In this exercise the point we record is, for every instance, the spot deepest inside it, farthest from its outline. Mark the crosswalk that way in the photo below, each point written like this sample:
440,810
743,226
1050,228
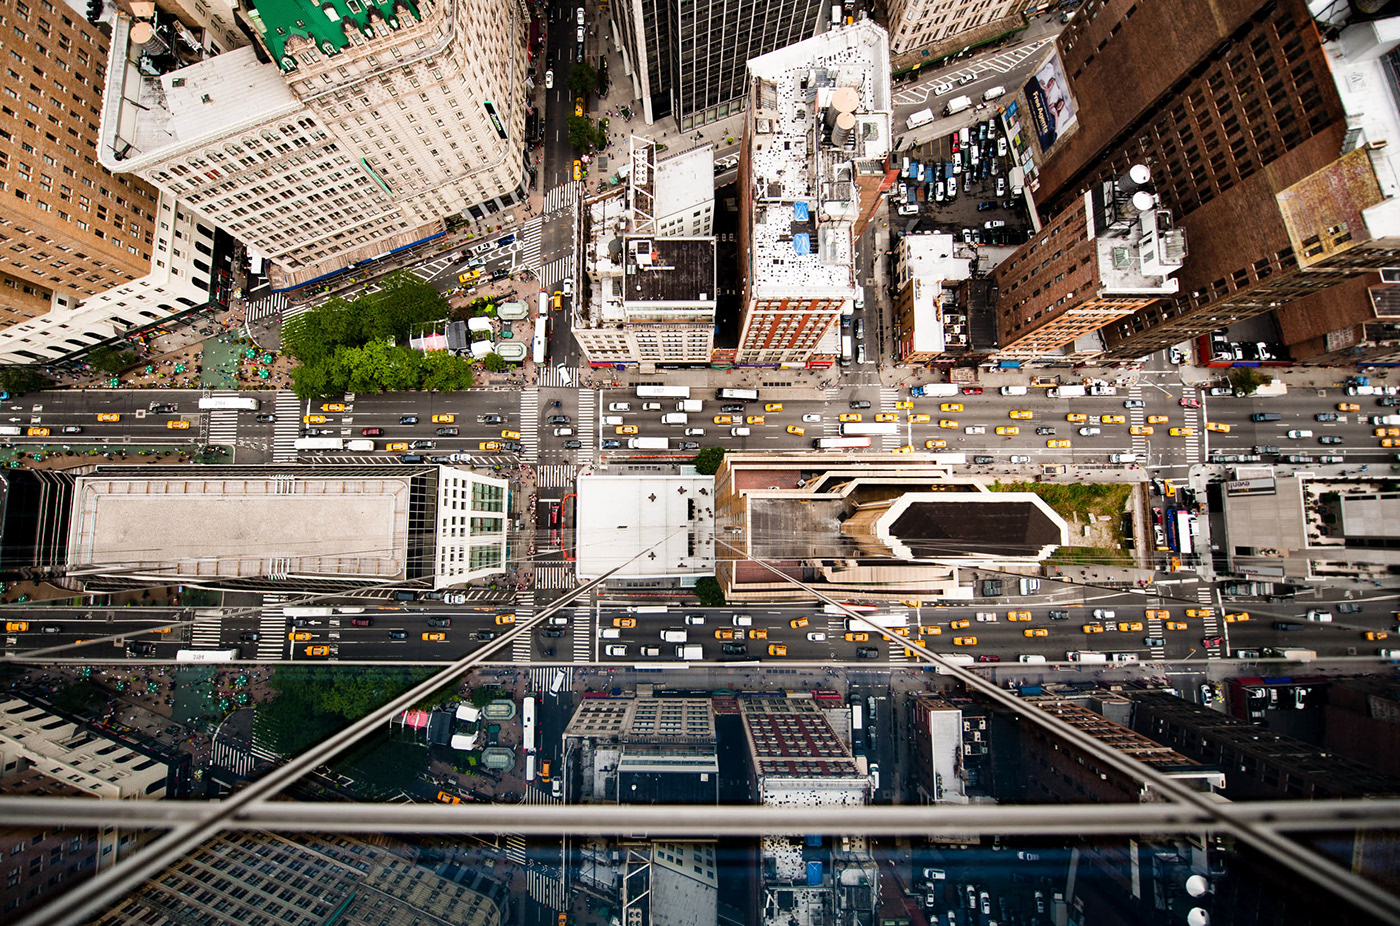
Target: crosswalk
520,647
562,197
581,624
287,427
528,239
888,397
545,888
272,628
207,631
515,848
1191,418
1156,630
587,409
530,422
555,575
556,376
554,271
1210,626
266,307
555,475
1137,417
222,426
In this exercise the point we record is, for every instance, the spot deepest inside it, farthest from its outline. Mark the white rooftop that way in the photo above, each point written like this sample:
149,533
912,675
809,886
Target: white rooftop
932,264
620,517
686,181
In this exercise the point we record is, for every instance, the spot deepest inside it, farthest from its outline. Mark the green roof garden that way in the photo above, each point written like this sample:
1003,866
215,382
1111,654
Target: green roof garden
323,23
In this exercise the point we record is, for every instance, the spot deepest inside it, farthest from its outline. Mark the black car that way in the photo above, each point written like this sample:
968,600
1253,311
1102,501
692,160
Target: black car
1329,439
1389,401
735,649
398,635
732,408
408,419
1045,430
1059,615
867,652
514,446
485,635
422,445
558,419
690,445
266,418
859,403
248,636
573,445
447,432
492,419
1325,416
551,632
72,429
985,205
141,648
162,408
611,444
983,460
439,622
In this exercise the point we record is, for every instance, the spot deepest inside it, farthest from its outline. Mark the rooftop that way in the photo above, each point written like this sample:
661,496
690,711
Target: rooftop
661,521
933,268
324,23
675,271
685,181
1136,246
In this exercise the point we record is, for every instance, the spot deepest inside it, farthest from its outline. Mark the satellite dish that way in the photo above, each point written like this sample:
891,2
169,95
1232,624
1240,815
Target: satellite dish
1197,885
1197,917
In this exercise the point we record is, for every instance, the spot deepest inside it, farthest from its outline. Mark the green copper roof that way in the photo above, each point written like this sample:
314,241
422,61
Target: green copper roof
324,23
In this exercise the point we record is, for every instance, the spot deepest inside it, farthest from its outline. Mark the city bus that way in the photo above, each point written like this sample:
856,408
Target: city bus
886,621
318,443
240,403
541,340
527,720
663,392
1183,532
307,611
869,427
738,395
206,655
841,443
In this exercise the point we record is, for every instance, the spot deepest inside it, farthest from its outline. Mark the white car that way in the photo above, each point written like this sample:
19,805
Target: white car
695,619
580,16
619,407
549,79
580,35
942,88
987,617
694,432
986,904
1089,432
1101,614
454,598
811,418
974,429
615,649
1020,458
568,285
816,636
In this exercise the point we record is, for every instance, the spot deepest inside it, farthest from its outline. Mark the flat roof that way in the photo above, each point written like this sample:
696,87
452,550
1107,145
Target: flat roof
241,525
676,271
662,524
933,266
685,181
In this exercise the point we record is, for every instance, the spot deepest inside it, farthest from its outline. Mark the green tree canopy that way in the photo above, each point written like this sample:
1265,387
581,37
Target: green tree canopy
312,702
495,363
708,591
583,78
708,460
18,380
110,359
1247,380
582,133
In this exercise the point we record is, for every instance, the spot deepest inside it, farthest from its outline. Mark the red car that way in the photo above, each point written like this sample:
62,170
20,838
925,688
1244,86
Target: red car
1214,641
1190,403
371,432
972,390
988,658
362,622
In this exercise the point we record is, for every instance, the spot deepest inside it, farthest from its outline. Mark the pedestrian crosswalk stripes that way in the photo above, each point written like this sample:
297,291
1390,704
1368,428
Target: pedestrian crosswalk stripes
556,377
555,575
235,757
555,475
284,432
586,409
554,271
223,426
207,630
581,626
562,197
266,307
272,628
544,888
530,422
515,848
529,239
521,646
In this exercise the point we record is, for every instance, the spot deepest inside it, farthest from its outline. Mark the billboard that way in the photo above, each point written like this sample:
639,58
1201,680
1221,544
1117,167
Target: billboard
1049,107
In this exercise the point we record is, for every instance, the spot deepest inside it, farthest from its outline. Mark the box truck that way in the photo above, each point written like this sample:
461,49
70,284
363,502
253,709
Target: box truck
1067,392
646,443
934,389
360,445
689,405
690,651
675,418
1086,657
957,104
922,117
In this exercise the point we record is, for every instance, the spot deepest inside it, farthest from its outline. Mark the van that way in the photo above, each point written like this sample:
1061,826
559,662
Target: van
1123,458
610,633
1125,657
1031,659
1266,416
738,432
674,636
1029,586
651,651
1014,390
612,419
563,432
992,94
1320,616
742,620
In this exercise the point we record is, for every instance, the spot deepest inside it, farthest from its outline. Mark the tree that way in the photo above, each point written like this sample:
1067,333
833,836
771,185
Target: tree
583,78
79,697
581,133
708,591
1246,380
110,359
495,363
480,697
708,460
446,372
311,703
16,380
600,134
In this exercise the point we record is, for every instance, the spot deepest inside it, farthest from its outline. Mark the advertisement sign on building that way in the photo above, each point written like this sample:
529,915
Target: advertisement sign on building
1049,106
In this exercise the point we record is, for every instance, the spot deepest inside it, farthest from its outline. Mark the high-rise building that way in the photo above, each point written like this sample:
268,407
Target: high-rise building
812,165
1106,255
70,228
925,30
928,269
686,60
1241,119
797,757
936,750
643,750
347,131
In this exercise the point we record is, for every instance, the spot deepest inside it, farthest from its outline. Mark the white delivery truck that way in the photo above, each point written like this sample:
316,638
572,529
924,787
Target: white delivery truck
922,117
1014,390
672,635
1086,657
992,94
1066,392
957,104
690,651
845,348
675,418
689,405
646,443
359,445
1385,419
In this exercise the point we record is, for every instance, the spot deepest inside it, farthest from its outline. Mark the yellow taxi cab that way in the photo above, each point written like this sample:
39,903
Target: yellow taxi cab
1008,430
1217,427
754,419
907,448
886,417
435,637
624,622
1348,407
903,404
1390,442
773,407
777,649
515,435
1022,414
558,298
505,618
948,423
849,416
935,444
794,429
1156,419
797,622
469,276
446,798
1053,444
759,634
1076,418
1140,429
1126,626
857,637
109,416
16,626
394,448
964,641
724,633
444,419
1156,614
900,631
1018,615
1183,432
919,419
1035,632
959,624
1199,612
578,106
1113,419
926,630
1376,635
160,630
950,407
578,170
1092,628
1237,617
724,419
1176,625
484,445
313,419
1387,432
332,406
298,636
178,425
318,651
36,432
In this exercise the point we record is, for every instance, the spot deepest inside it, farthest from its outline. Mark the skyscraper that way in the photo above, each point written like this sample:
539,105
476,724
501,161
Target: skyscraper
350,129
